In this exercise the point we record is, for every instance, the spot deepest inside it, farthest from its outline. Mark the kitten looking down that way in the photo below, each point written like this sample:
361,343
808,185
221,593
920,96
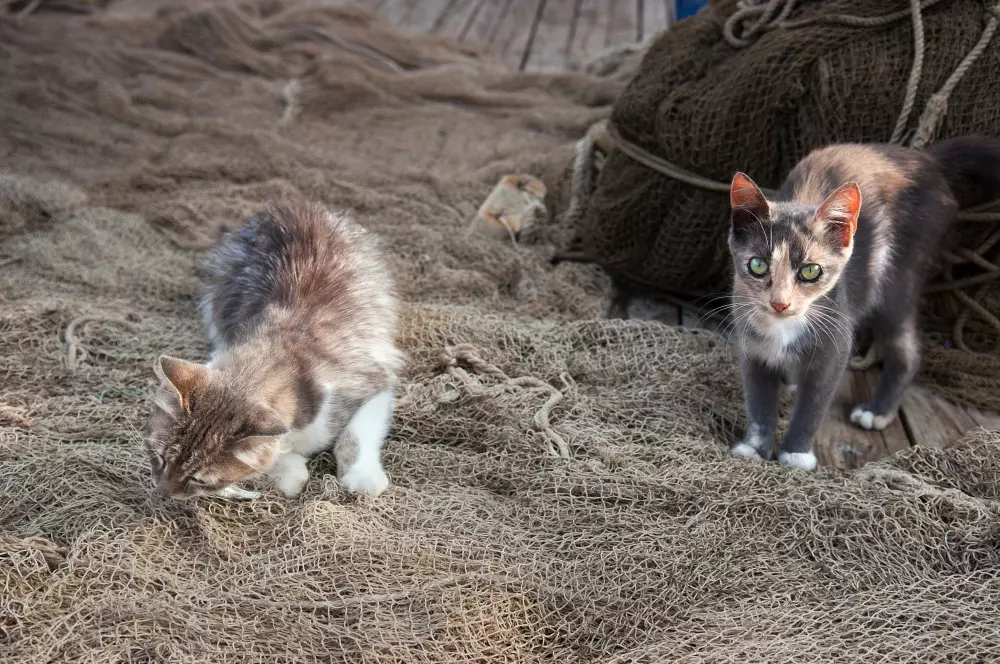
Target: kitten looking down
849,239
301,315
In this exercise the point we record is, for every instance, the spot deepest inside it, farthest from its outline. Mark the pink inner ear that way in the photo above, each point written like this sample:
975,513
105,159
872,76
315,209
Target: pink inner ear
169,401
182,375
841,209
743,193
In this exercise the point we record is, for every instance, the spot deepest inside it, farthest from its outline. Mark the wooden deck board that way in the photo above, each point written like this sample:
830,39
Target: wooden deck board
486,23
986,420
590,30
456,18
550,46
932,421
533,35
395,12
424,14
623,22
839,443
512,41
654,19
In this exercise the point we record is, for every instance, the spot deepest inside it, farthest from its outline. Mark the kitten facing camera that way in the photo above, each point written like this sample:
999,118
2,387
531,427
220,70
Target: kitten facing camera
301,315
849,239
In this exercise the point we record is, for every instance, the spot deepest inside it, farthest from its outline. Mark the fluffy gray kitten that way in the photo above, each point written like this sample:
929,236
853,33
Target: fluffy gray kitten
301,314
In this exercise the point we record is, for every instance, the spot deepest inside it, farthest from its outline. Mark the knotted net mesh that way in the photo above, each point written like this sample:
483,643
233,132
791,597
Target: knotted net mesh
561,485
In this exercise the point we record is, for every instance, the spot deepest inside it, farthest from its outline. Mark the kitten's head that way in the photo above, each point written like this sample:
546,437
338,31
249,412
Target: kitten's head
786,255
205,433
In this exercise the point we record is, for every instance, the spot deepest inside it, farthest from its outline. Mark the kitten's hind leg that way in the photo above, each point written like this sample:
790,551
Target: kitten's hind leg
358,450
761,389
900,347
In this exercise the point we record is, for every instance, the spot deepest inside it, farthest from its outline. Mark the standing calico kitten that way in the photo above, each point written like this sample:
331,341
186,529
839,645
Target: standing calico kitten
815,262
302,319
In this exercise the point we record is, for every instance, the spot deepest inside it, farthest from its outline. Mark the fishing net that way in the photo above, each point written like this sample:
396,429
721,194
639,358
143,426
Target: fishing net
562,489
754,86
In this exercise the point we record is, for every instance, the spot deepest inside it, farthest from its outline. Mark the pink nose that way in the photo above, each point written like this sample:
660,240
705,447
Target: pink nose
779,306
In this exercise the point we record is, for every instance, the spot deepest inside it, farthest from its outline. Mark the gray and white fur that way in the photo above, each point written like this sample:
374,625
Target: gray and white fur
850,239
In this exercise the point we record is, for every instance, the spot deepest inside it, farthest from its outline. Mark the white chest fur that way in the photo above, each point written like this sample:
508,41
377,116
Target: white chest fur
775,338
787,331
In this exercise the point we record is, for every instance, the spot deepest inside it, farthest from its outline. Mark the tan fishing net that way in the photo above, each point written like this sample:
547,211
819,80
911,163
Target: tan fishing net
754,85
562,490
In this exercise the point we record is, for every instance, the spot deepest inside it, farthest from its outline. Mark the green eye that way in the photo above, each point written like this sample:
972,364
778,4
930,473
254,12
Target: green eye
810,272
757,266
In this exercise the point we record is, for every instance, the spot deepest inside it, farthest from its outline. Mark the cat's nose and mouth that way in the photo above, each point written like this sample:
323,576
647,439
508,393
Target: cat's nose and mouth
167,489
780,308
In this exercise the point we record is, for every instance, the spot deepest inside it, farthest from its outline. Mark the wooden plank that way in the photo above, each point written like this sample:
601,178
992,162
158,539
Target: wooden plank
985,419
931,421
481,7
841,444
550,47
486,24
623,22
453,21
670,9
591,28
512,39
371,5
532,34
894,435
654,19
423,15
395,12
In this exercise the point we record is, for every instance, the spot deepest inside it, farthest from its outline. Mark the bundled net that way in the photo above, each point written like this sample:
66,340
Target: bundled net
561,485
755,86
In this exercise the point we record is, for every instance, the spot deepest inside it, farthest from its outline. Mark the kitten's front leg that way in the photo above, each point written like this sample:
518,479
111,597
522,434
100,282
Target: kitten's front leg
358,450
290,473
761,390
818,384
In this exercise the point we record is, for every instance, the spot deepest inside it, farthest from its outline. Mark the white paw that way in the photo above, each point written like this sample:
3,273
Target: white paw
290,474
863,416
365,478
291,484
745,451
800,460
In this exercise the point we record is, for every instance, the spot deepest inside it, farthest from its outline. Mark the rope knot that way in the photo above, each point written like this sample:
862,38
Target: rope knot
755,17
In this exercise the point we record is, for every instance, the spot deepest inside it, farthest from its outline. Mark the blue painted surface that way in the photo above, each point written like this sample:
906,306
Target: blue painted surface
685,8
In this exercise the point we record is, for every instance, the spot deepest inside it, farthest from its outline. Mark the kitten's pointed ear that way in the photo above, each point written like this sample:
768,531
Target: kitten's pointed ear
839,213
258,453
181,376
747,202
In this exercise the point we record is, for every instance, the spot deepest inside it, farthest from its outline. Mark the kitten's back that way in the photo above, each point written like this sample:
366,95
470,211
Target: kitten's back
884,173
297,261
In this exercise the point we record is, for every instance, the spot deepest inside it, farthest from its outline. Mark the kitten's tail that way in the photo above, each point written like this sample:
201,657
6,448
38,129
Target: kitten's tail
971,165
